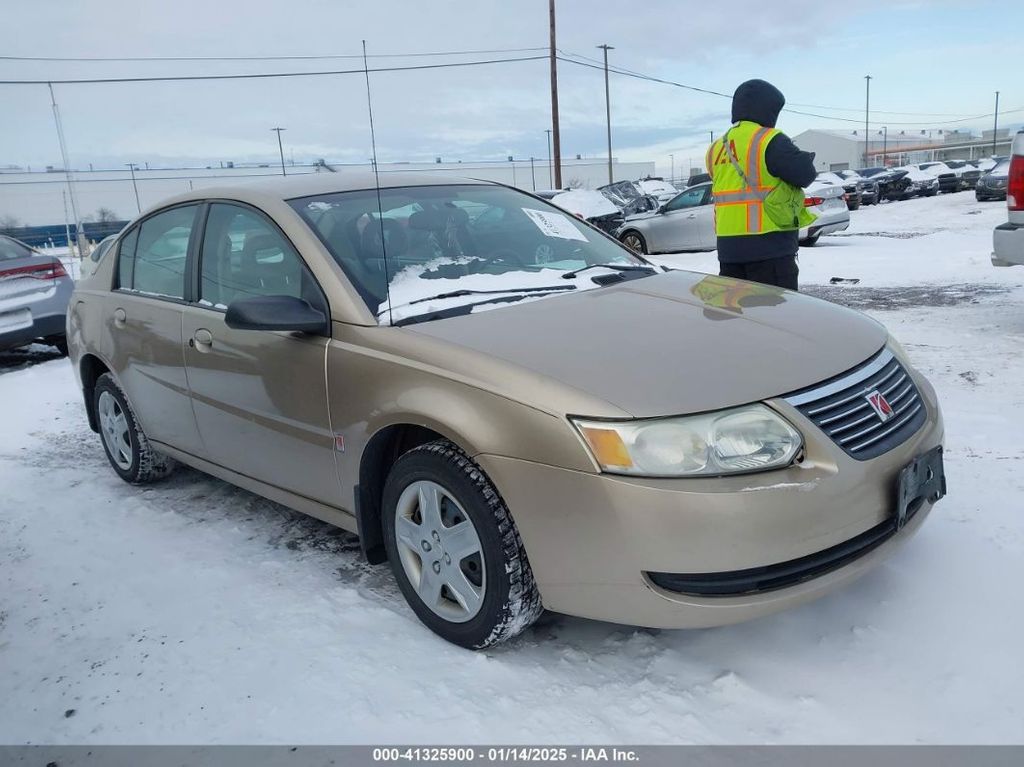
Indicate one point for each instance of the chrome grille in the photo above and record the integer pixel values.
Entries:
(840, 407)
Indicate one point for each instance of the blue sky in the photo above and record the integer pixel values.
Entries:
(925, 57)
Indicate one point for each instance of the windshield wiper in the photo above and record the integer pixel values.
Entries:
(460, 309)
(470, 292)
(616, 267)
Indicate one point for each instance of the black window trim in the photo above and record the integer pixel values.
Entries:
(194, 266)
(137, 226)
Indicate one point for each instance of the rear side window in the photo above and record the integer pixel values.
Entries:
(126, 258)
(245, 255)
(157, 266)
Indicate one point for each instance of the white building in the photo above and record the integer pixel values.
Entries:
(39, 198)
(842, 149)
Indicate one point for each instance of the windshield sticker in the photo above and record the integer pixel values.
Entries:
(555, 225)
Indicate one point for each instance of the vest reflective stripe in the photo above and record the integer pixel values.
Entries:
(742, 180)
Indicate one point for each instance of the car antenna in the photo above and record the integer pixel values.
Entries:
(376, 183)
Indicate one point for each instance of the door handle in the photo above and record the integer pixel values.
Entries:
(120, 317)
(201, 340)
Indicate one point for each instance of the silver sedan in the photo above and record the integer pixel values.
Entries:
(686, 222)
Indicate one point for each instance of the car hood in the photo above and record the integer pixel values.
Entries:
(668, 344)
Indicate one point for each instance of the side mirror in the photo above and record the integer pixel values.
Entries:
(276, 313)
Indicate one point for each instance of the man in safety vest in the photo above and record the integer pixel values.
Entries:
(758, 176)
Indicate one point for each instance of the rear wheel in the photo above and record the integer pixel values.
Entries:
(455, 550)
(810, 242)
(635, 242)
(127, 448)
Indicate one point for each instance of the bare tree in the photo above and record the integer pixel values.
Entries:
(575, 183)
(9, 222)
(105, 215)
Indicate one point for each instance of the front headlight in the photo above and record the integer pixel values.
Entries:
(739, 440)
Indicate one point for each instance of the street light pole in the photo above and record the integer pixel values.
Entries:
(867, 111)
(131, 167)
(551, 177)
(608, 107)
(885, 142)
(672, 157)
(995, 125)
(280, 148)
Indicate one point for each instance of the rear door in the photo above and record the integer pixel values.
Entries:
(260, 397)
(142, 325)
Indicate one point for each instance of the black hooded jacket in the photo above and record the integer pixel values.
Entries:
(760, 102)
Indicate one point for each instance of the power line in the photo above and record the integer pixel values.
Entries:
(264, 75)
(270, 58)
(707, 91)
(634, 73)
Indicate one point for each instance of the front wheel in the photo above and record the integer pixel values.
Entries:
(635, 242)
(455, 550)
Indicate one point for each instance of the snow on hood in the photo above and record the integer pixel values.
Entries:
(916, 174)
(585, 203)
(657, 188)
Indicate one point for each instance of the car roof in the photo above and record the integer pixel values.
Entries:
(284, 188)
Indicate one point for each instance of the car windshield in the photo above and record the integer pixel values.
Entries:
(430, 249)
(11, 249)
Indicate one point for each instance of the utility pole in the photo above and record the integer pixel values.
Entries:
(551, 178)
(280, 148)
(79, 235)
(555, 136)
(138, 205)
(995, 125)
(885, 142)
(712, 136)
(533, 175)
(672, 157)
(867, 112)
(608, 107)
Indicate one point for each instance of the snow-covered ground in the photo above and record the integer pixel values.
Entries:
(193, 612)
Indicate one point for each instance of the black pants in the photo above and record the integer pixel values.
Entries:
(782, 272)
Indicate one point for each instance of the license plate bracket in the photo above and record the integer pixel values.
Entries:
(923, 479)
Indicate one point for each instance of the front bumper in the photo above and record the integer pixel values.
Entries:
(1008, 245)
(592, 539)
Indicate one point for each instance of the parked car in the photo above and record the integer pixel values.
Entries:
(684, 223)
(827, 203)
(949, 179)
(509, 407)
(852, 192)
(992, 185)
(34, 294)
(593, 207)
(1008, 238)
(893, 184)
(866, 187)
(698, 178)
(658, 187)
(88, 265)
(908, 181)
(629, 197)
(968, 173)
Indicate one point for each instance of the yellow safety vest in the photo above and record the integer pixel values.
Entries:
(748, 198)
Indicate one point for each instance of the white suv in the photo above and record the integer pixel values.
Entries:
(1008, 238)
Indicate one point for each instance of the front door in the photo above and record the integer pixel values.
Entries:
(677, 226)
(260, 397)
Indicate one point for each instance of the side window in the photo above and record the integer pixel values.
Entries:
(691, 198)
(126, 258)
(161, 253)
(245, 255)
